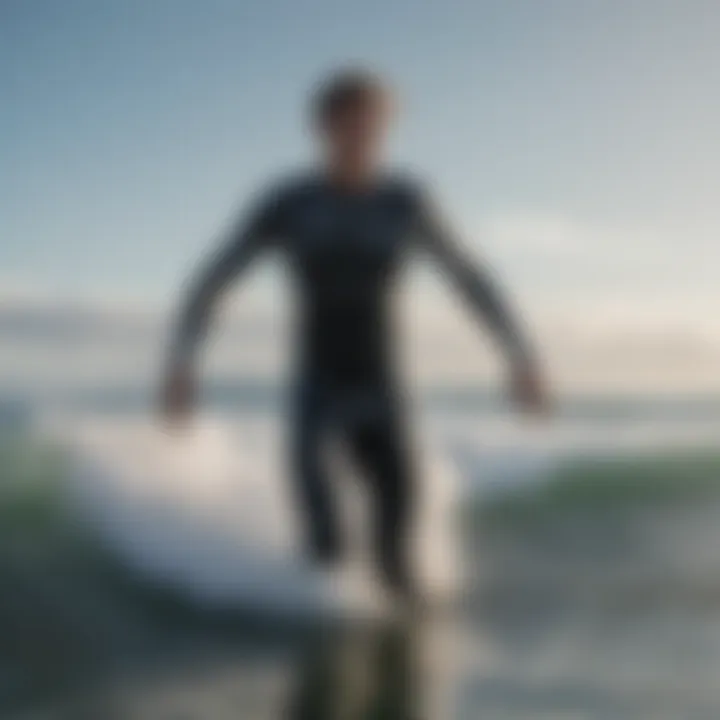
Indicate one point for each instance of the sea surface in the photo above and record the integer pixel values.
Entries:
(591, 544)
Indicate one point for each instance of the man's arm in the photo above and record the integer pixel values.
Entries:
(249, 237)
(479, 290)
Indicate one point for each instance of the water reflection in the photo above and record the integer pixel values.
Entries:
(360, 674)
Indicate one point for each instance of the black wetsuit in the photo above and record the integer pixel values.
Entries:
(346, 250)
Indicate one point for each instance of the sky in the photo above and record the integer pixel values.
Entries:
(574, 143)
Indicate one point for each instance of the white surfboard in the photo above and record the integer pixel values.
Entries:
(209, 513)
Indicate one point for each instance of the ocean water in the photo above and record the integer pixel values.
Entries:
(590, 550)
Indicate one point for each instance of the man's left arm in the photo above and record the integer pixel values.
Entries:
(479, 290)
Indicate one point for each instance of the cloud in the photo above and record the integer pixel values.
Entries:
(574, 256)
(623, 344)
(608, 306)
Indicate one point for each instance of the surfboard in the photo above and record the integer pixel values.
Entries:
(208, 513)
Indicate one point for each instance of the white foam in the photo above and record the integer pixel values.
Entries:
(210, 514)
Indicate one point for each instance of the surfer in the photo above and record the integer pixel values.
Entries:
(347, 229)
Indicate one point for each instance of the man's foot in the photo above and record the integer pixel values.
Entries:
(326, 553)
(403, 590)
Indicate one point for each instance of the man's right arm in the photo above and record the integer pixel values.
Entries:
(249, 237)
(478, 289)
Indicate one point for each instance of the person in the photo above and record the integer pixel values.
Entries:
(347, 228)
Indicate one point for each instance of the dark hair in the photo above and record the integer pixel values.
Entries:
(346, 89)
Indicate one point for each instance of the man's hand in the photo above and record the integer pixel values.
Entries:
(529, 392)
(177, 398)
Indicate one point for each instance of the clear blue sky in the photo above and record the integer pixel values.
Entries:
(129, 130)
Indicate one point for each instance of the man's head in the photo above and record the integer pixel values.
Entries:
(351, 113)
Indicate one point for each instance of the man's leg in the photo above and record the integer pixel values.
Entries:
(380, 446)
(318, 512)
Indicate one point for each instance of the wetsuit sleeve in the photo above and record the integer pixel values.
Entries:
(473, 280)
(256, 231)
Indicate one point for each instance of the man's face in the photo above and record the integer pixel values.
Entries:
(354, 138)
